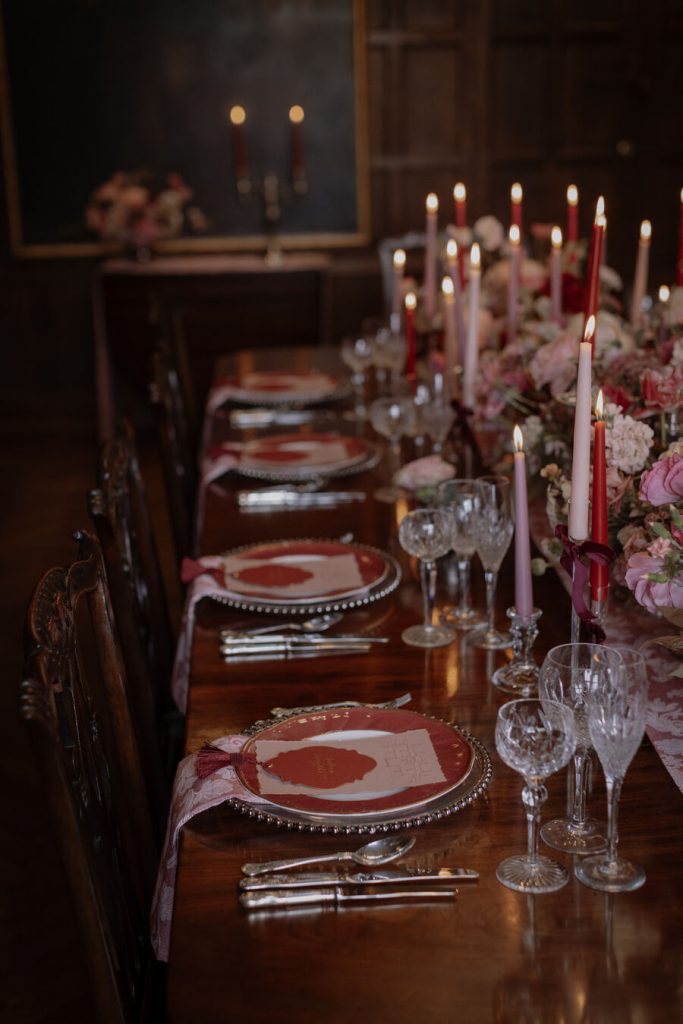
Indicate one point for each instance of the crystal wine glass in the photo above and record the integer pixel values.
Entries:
(567, 674)
(460, 497)
(493, 529)
(617, 709)
(357, 353)
(438, 418)
(535, 738)
(426, 534)
(392, 418)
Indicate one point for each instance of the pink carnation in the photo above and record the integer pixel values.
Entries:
(663, 484)
(651, 595)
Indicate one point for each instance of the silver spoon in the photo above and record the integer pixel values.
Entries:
(379, 851)
(314, 625)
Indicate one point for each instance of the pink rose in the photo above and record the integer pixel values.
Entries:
(663, 390)
(424, 472)
(663, 484)
(651, 595)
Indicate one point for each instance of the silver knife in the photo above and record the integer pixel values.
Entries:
(238, 640)
(393, 876)
(336, 896)
(242, 418)
(396, 702)
(281, 651)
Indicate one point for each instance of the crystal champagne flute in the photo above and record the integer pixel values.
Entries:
(617, 710)
(460, 497)
(357, 353)
(493, 528)
(426, 534)
(392, 418)
(535, 738)
(568, 673)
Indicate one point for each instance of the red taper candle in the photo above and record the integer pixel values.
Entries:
(599, 573)
(460, 201)
(516, 196)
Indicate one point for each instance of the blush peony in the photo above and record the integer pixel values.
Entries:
(663, 484)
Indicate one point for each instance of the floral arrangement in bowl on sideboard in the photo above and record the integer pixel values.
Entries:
(132, 209)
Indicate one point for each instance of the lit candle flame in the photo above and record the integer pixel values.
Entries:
(556, 237)
(514, 235)
(459, 192)
(664, 293)
(411, 301)
(238, 115)
(451, 249)
(645, 231)
(399, 259)
(518, 439)
(589, 332)
(572, 195)
(432, 202)
(296, 114)
(475, 256)
(599, 401)
(447, 286)
(600, 219)
(516, 192)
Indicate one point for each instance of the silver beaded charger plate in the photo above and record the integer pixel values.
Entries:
(307, 388)
(461, 788)
(288, 473)
(382, 571)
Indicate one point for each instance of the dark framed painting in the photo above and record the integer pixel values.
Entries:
(101, 98)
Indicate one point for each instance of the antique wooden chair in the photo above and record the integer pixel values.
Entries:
(178, 455)
(121, 516)
(74, 700)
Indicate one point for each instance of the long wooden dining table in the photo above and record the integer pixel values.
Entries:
(575, 955)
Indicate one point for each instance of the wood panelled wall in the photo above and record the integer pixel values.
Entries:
(546, 92)
(487, 91)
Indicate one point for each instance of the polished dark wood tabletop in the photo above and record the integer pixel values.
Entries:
(494, 955)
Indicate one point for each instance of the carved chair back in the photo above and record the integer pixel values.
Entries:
(121, 516)
(74, 701)
(177, 452)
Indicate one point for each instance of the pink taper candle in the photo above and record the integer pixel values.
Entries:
(454, 268)
(472, 347)
(572, 213)
(513, 285)
(641, 272)
(451, 334)
(432, 212)
(581, 456)
(524, 598)
(556, 274)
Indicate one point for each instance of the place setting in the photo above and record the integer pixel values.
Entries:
(309, 577)
(297, 466)
(347, 768)
(277, 389)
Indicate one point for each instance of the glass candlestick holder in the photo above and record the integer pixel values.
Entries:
(520, 676)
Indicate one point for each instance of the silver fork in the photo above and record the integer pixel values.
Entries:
(397, 702)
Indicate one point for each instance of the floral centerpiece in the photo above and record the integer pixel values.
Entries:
(130, 209)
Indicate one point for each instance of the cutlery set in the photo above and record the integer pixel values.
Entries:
(293, 640)
(275, 498)
(266, 886)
